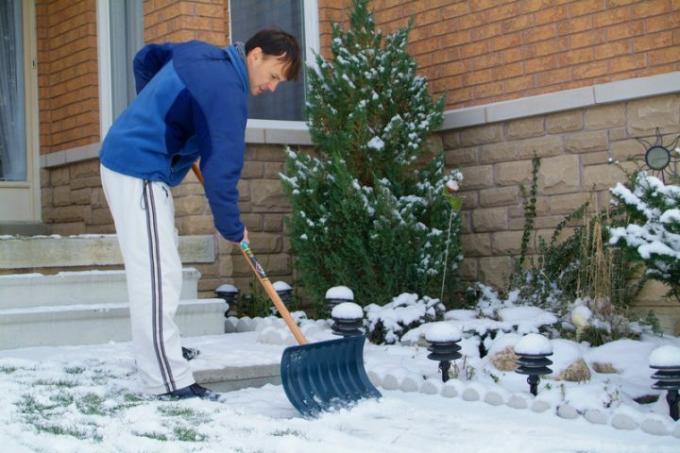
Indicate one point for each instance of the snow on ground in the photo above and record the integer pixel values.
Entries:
(87, 398)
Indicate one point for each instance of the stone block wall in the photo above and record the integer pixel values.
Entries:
(74, 203)
(574, 147)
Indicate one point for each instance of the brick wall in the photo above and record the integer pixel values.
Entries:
(67, 73)
(574, 147)
(183, 20)
(482, 51)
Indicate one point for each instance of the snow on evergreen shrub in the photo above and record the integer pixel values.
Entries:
(369, 205)
(652, 230)
(388, 323)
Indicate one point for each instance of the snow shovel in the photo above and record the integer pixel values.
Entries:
(319, 376)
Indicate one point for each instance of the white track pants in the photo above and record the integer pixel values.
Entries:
(144, 215)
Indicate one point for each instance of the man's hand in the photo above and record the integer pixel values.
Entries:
(245, 235)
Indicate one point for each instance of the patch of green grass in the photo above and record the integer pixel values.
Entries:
(74, 370)
(176, 411)
(56, 383)
(153, 435)
(28, 405)
(187, 434)
(62, 399)
(91, 404)
(8, 369)
(288, 432)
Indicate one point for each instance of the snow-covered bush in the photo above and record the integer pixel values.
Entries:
(651, 232)
(369, 209)
(388, 323)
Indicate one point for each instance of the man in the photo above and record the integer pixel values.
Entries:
(191, 103)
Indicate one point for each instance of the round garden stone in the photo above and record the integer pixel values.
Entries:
(449, 391)
(470, 394)
(409, 384)
(494, 398)
(654, 426)
(390, 382)
(430, 387)
(623, 421)
(540, 406)
(517, 402)
(245, 324)
(567, 411)
(374, 378)
(596, 416)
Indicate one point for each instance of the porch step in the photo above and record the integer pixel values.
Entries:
(34, 252)
(66, 288)
(79, 324)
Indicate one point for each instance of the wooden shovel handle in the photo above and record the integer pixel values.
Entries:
(264, 280)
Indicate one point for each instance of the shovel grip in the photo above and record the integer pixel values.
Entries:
(264, 280)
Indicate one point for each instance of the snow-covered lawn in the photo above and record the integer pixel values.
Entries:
(87, 399)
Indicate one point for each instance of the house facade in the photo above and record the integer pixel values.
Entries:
(576, 82)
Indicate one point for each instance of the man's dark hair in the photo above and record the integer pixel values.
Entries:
(278, 43)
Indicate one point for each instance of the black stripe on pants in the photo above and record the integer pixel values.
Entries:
(156, 288)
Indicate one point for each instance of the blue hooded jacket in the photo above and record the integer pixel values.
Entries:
(191, 103)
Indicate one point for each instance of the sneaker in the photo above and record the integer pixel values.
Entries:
(190, 353)
(191, 391)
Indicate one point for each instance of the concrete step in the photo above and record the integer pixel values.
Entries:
(84, 288)
(97, 323)
(35, 252)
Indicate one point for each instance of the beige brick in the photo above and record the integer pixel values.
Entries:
(489, 219)
(599, 177)
(80, 196)
(278, 264)
(101, 216)
(599, 157)
(470, 199)
(559, 175)
(586, 142)
(67, 229)
(72, 214)
(234, 266)
(469, 269)
(188, 187)
(499, 196)
(190, 205)
(495, 271)
(564, 122)
(434, 143)
(476, 244)
(568, 203)
(59, 176)
(252, 170)
(605, 116)
(461, 156)
(267, 153)
(549, 145)
(481, 135)
(46, 196)
(451, 140)
(506, 242)
(617, 133)
(524, 128)
(645, 115)
(267, 196)
(273, 223)
(624, 150)
(466, 221)
(61, 196)
(44, 178)
(87, 181)
(243, 188)
(252, 221)
(195, 224)
(85, 168)
(512, 173)
(266, 242)
(272, 169)
(477, 177)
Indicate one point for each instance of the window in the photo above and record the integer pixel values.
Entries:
(127, 37)
(297, 17)
(12, 102)
(120, 34)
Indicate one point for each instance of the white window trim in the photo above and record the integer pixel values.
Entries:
(104, 63)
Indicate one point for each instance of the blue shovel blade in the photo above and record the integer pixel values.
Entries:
(326, 375)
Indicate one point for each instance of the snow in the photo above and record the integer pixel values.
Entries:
(580, 316)
(533, 344)
(376, 143)
(227, 288)
(526, 318)
(452, 185)
(340, 292)
(442, 332)
(281, 286)
(347, 310)
(665, 356)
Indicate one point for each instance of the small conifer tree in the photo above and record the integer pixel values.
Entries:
(369, 210)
